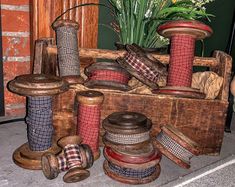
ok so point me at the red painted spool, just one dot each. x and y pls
(89, 107)
(183, 35)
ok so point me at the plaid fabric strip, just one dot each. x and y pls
(68, 55)
(72, 155)
(181, 61)
(39, 123)
(128, 172)
(109, 75)
(127, 138)
(141, 67)
(62, 163)
(174, 147)
(89, 125)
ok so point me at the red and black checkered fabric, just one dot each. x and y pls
(89, 125)
(62, 163)
(141, 67)
(181, 61)
(109, 75)
(72, 155)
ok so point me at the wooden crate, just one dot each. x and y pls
(201, 120)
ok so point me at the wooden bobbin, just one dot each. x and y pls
(35, 85)
(90, 99)
(77, 173)
(143, 66)
(181, 140)
(182, 33)
(71, 79)
(129, 180)
(50, 162)
(106, 84)
(129, 125)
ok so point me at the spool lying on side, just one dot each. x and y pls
(176, 146)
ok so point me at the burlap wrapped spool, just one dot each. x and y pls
(39, 89)
(176, 146)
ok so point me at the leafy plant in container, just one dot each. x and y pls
(136, 21)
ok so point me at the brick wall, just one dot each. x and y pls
(16, 49)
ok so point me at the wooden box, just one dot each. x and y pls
(201, 120)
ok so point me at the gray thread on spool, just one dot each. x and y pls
(67, 46)
(175, 148)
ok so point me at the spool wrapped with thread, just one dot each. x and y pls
(88, 125)
(130, 156)
(183, 35)
(75, 159)
(68, 54)
(39, 90)
(107, 75)
(176, 146)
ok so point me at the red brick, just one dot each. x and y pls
(15, 21)
(15, 2)
(12, 69)
(11, 98)
(16, 46)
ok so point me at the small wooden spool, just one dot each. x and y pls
(129, 180)
(50, 162)
(183, 35)
(115, 76)
(91, 102)
(143, 66)
(169, 149)
(77, 173)
(126, 130)
(35, 85)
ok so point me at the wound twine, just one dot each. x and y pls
(89, 125)
(132, 173)
(127, 138)
(72, 155)
(173, 147)
(141, 67)
(181, 61)
(68, 55)
(39, 123)
(109, 75)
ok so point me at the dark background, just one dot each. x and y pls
(221, 25)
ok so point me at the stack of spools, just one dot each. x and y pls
(130, 156)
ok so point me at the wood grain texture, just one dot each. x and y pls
(44, 13)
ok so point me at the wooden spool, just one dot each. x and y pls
(129, 180)
(182, 33)
(112, 67)
(77, 174)
(136, 55)
(133, 159)
(89, 99)
(129, 125)
(180, 139)
(50, 163)
(35, 85)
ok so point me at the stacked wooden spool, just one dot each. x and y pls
(130, 156)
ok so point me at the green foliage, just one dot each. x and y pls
(137, 20)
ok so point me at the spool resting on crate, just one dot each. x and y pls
(183, 35)
(39, 90)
